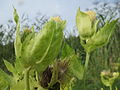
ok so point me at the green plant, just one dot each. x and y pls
(90, 37)
(108, 78)
(45, 61)
(35, 50)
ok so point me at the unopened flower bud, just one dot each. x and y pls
(92, 15)
(115, 74)
(27, 30)
(86, 24)
(56, 19)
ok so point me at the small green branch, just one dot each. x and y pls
(111, 87)
(86, 66)
(27, 85)
(87, 61)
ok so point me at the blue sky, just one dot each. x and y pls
(65, 8)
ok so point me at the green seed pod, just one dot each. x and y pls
(85, 24)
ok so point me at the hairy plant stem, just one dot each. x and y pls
(27, 84)
(86, 66)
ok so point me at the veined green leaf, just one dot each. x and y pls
(18, 86)
(67, 51)
(5, 80)
(10, 67)
(17, 43)
(16, 17)
(101, 37)
(49, 43)
(76, 67)
(27, 46)
(18, 66)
